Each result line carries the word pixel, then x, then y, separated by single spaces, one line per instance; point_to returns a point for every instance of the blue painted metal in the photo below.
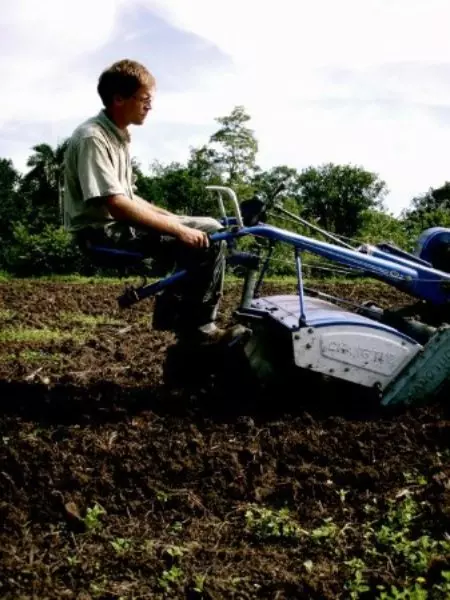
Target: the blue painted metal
pixel 117 252
pixel 417 280
pixel 285 310
pixel 428 240
pixel 408 276
pixel 145 291
pixel 422 282
pixel 396 258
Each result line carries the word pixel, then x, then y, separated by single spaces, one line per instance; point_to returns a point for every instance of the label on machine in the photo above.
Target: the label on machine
pixel 361 354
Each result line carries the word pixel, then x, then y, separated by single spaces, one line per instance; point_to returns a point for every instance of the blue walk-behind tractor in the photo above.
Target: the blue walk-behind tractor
pixel 402 353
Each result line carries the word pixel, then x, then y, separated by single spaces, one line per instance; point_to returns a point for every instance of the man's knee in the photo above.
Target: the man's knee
pixel 206 224
pixel 212 224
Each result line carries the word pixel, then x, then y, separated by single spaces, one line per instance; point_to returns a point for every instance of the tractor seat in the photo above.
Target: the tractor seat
pixel 103 254
pixel 112 257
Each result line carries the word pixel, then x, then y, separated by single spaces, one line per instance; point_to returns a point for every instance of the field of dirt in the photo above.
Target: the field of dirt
pixel 117 483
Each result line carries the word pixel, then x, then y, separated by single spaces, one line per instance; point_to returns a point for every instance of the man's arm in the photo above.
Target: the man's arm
pixel 157 209
pixel 99 182
pixel 141 213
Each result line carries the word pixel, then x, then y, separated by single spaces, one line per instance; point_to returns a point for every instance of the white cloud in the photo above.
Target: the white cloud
pixel 39 43
pixel 346 81
pixel 323 32
pixel 54 26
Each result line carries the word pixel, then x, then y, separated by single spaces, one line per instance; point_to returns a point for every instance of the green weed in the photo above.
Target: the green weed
pixel 266 523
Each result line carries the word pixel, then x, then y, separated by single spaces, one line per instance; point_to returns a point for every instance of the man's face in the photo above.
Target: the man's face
pixel 136 108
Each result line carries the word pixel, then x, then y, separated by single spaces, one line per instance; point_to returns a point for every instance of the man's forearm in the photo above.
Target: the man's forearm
pixel 157 209
pixel 142 213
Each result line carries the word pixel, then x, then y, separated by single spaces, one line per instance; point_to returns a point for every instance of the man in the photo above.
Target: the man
pixel 100 206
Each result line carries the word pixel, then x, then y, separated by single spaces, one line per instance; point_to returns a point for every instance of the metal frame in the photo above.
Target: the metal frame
pixel 407 275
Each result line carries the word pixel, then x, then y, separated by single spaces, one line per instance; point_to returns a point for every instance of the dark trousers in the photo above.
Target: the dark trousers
pixel 192 301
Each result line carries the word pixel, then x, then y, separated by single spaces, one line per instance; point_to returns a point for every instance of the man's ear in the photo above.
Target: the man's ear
pixel 117 100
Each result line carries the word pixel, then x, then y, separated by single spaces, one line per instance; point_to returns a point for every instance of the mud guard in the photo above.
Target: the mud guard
pixel 425 375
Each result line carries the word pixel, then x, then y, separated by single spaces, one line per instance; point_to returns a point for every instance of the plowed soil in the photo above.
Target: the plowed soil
pixel 116 482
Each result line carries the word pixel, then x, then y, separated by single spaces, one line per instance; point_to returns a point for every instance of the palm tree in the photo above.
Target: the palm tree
pixel 44 180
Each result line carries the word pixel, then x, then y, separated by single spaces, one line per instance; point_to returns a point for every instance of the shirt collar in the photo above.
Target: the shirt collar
pixel 122 134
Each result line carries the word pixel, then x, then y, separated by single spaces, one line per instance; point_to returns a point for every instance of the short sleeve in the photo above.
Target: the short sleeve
pixel 96 171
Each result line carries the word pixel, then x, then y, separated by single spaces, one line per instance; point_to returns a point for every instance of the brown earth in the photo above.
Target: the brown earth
pixel 88 418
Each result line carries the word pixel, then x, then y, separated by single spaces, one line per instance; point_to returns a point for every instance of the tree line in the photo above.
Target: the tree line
pixel 346 200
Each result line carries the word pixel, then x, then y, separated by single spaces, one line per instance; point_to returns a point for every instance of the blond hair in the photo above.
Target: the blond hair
pixel 124 78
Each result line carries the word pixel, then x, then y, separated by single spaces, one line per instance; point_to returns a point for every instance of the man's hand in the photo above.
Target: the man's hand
pixel 192 237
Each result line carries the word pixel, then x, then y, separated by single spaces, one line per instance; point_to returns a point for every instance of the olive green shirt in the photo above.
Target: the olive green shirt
pixel 97 165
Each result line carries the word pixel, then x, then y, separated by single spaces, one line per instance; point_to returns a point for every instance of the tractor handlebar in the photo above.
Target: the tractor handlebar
pixel 249 211
pixel 232 195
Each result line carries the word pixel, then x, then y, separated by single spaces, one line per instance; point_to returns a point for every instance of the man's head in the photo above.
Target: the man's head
pixel 126 89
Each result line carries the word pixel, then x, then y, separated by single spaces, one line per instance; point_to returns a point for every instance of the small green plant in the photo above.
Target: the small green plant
pixel 169 577
pixel 357 584
pixel 417 592
pixel 92 518
pixel 176 528
pixel 395 535
pixel 149 547
pixel 162 496
pixel 444 587
pixel 199 583
pixel 265 523
pixel 6 314
pixel 342 495
pixel 415 478
pixel 121 545
pixel 98 588
pixel 174 551
pixel 327 530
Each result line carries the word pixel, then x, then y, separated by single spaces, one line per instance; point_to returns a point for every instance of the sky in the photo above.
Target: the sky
pixel 365 83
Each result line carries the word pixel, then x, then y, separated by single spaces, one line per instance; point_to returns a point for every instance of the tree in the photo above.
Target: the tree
pixel 203 164
pixel 176 188
pixel 228 159
pixel 377 226
pixel 267 181
pixel 434 199
pixel 43 184
pixel 46 164
pixel 145 187
pixel 337 195
pixel 441 195
pixel 235 157
pixel 431 209
pixel 10 208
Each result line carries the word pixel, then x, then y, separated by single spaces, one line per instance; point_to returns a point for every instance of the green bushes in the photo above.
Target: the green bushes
pixel 50 252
